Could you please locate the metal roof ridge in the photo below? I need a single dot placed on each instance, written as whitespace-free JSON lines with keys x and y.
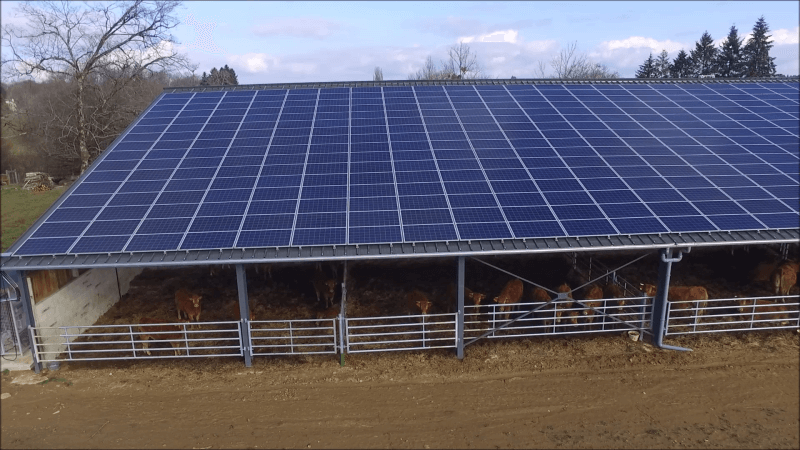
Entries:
{"x":478,"y":81}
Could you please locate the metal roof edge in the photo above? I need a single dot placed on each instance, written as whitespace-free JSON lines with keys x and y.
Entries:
{"x":477,"y":81}
{"x":29,"y":231}
{"x":400,"y":251}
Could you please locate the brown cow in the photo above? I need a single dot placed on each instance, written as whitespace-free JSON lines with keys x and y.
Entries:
{"x":592,"y":299}
{"x":188,"y":304}
{"x":511,"y":293}
{"x":687,"y":295}
{"x":564,"y":304}
{"x":764,"y":310}
{"x":324,"y":287}
{"x":783,"y":278}
{"x":418,"y":303}
{"x":539,"y":296}
{"x":613,"y":291}
{"x":158,"y":333}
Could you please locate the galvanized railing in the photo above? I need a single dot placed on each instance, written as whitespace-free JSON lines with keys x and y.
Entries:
{"x":293,"y":337}
{"x":393,"y":333}
{"x":109,"y":342}
{"x":732,"y":314}
{"x":561,"y":317}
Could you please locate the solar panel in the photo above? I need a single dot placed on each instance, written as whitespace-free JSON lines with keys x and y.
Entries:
{"x":398,"y":164}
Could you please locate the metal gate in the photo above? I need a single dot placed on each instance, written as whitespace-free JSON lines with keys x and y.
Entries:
{"x":561,"y":317}
{"x":732,"y":314}
{"x":110,"y":342}
{"x":395,"y":333}
{"x":293,"y":337}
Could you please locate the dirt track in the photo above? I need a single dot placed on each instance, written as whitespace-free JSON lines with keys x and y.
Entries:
{"x":733,"y":391}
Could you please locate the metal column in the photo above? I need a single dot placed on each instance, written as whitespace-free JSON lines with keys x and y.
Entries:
{"x":658,"y":321}
{"x":460,"y":312}
{"x":343,"y":316}
{"x":244,"y":313}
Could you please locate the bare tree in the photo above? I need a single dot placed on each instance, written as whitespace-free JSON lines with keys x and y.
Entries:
{"x":378,"y":75}
{"x":92,"y":46}
{"x":569,"y":64}
{"x":462,"y":64}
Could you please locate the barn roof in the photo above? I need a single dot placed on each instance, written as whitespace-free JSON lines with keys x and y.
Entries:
{"x":317,"y":171}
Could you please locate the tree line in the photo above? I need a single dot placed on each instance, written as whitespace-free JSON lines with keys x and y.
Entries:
{"x":731,"y":60}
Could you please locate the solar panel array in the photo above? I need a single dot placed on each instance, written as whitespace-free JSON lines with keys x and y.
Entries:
{"x":328,"y":166}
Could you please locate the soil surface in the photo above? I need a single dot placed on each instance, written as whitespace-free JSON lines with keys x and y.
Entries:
{"x":736,"y":390}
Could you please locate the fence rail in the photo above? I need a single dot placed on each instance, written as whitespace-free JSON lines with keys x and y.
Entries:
{"x":561,"y":317}
{"x":395,"y":333}
{"x":732,"y":314}
{"x":292,"y":337}
{"x":110,"y":342}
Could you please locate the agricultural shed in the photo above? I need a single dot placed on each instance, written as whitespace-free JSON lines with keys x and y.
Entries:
{"x":407,"y":169}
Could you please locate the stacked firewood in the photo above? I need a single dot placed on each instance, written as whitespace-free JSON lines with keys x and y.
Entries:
{"x":37,"y":182}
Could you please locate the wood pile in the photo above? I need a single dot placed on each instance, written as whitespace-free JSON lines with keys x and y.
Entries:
{"x":37,"y":182}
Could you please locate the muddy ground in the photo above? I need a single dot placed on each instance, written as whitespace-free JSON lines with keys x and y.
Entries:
{"x":735,"y":390}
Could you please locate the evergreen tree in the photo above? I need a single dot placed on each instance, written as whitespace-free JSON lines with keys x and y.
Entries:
{"x":704,"y":56}
{"x":662,"y":65}
{"x":220,"y":77}
{"x":729,"y":57}
{"x":682,"y":66}
{"x":757,"y":61}
{"x":648,"y":69}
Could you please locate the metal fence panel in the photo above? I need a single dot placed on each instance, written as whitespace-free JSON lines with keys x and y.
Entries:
{"x":562,"y":317}
{"x":396,"y":333}
{"x":732,"y":314}
{"x":110,"y":342}
{"x":293,"y":337}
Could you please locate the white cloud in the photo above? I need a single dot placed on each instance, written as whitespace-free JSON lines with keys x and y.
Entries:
{"x":784,"y":36}
{"x":310,"y":27}
{"x":253,"y":62}
{"x":638,"y":42}
{"x":496,"y":36}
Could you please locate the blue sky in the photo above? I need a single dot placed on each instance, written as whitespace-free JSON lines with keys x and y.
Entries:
{"x":274,"y":42}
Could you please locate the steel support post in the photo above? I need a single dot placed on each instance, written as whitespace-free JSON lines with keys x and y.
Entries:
{"x":460,"y":312}
{"x":658,"y":322}
{"x":244,"y":312}
{"x":342,"y":315}
{"x":25,"y":297}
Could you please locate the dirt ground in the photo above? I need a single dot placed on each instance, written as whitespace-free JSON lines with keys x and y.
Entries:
{"x":732,"y":391}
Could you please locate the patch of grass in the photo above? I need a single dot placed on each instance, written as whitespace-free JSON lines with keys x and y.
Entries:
{"x":19,"y":209}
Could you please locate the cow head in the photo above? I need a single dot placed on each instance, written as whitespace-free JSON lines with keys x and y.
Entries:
{"x":477,"y":298}
{"x":331,"y":284}
{"x":648,"y":289}
{"x":424,"y":306}
{"x":195,"y":299}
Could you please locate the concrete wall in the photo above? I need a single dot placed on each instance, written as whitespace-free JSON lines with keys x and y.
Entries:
{"x":81,"y":302}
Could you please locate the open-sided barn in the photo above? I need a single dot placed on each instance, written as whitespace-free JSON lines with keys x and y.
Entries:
{"x":485,"y":170}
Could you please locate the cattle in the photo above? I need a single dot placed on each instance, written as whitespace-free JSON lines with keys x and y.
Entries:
{"x":783,"y":278}
{"x":323,"y":316}
{"x":540,"y":296}
{"x":561,"y":305}
{"x":417,"y":303}
{"x":324,"y":287}
{"x":686,"y":295}
{"x":236,"y":312}
{"x":613,"y":291}
{"x":188,"y":304}
{"x":169,"y":333}
{"x":475,"y":297}
{"x":510,"y":294}
{"x":764,"y":310}
{"x":592,"y":298}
